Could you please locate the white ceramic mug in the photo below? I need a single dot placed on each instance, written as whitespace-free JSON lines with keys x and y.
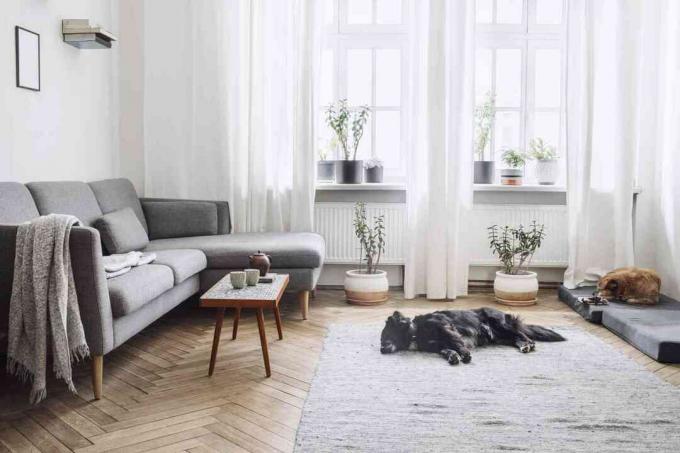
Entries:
{"x":238,"y":279}
{"x":252,"y":276}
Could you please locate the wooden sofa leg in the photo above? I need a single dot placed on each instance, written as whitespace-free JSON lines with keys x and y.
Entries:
{"x":303,"y":298}
{"x":97,"y":375}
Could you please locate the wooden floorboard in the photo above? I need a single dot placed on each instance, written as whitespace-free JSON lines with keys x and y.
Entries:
{"x":158,"y":397}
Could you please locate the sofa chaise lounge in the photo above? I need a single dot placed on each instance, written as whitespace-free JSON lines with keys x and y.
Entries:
{"x":192,"y":240}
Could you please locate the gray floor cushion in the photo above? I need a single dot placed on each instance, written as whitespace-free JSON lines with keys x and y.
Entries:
{"x":141,"y":285}
{"x":654,"y":330}
{"x":231,"y":251}
{"x":184,"y":263}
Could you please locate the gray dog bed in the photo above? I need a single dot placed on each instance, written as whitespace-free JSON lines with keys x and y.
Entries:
{"x":654,"y":330}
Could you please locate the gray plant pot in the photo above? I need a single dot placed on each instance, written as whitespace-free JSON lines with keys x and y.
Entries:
{"x":325,"y":170}
{"x":374,"y":175}
{"x":485,"y":172}
{"x":349,"y":171}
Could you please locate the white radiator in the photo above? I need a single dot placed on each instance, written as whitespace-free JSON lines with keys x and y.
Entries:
{"x":333,"y":220}
{"x":553,"y":251}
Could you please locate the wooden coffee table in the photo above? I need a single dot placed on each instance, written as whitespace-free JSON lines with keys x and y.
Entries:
{"x":259,"y":297}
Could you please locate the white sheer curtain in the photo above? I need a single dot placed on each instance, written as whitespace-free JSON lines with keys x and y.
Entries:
{"x":440,"y":111}
{"x":657,"y":234}
{"x":228,"y":106}
{"x":603,"y":77}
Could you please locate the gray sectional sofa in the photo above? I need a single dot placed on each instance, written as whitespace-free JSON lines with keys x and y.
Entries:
{"x":192,"y":240}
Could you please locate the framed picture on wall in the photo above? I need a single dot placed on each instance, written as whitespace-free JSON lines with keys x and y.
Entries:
{"x":27,"y":45}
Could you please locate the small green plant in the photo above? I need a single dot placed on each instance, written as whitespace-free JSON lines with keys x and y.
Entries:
{"x":540,"y":150}
{"x":340,"y":118}
{"x":484,"y":115}
{"x":514,"y":158}
{"x":515,"y":247}
{"x":327,"y":148}
{"x":371,"y":237}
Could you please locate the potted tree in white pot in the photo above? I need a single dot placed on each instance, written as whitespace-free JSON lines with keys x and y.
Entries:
{"x":367,"y":285}
{"x":515,"y":160}
{"x":515,"y":285}
{"x":340,"y":118}
{"x":546,"y":161}
{"x":484,"y":170}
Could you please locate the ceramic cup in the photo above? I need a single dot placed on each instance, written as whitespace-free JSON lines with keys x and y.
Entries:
{"x":252,"y":276}
{"x":238,"y":279}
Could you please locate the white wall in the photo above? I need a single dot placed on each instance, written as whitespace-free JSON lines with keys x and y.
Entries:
{"x":68,"y":130}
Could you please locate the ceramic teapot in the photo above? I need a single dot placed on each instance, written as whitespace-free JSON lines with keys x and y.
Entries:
{"x":260,"y":261}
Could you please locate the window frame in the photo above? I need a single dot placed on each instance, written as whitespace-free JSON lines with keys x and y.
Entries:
{"x":528,"y":37}
{"x":339,"y":37}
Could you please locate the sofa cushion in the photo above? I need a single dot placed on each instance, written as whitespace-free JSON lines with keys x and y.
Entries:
{"x":172,"y":219}
{"x":184,"y":263}
{"x":16,"y":204}
{"x":121,"y":231}
{"x":231,"y":251}
{"x":139,"y":286}
{"x":115,"y":194}
{"x":66,"y":197}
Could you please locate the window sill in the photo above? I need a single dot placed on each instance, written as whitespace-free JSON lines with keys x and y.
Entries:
{"x":522,"y":188}
{"x":476,"y":187}
{"x":363,"y":186}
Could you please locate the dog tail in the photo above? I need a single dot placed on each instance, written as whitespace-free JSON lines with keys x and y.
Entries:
{"x":539,"y":333}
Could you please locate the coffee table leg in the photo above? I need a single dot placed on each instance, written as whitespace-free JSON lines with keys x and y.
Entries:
{"x":219,"y":318}
{"x":263,"y":341}
{"x":277,"y":314}
{"x":237,"y":317}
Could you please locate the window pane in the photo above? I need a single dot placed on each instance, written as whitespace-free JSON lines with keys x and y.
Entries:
{"x":506,"y":133}
{"x":359,"y":76}
{"x":484,"y":11}
{"x":508,"y":77}
{"x":509,"y":11}
{"x":482,"y":74}
{"x":327,"y":77}
{"x":388,"y":77}
{"x":547,"y":78}
{"x":329,"y":12}
{"x":365,"y":143}
{"x":388,"y":138}
{"x":549,"y":12}
{"x":547,"y":127}
{"x":388,"y":11}
{"x":359,"y":11}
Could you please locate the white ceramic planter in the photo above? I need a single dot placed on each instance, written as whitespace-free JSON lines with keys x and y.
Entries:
{"x":546,"y":172}
{"x":366,"y":289}
{"x":512,"y":176}
{"x":516,"y":290}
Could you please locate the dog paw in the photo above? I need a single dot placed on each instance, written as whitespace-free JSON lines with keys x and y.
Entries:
{"x":454,"y":358}
{"x":466,"y":357}
{"x":525,"y":347}
{"x":532,"y":346}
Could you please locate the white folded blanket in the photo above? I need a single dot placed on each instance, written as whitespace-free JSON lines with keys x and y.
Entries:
{"x":115,"y":265}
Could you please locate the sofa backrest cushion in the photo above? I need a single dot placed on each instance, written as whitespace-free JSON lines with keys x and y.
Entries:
{"x":16,"y":204}
{"x":173,"y":219}
{"x":66,"y":197}
{"x":116,"y":194}
{"x":121,"y":231}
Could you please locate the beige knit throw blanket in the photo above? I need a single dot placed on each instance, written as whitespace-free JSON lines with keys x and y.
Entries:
{"x":43,"y":310}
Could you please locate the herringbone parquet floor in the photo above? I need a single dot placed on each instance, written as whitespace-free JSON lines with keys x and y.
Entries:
{"x":157,"y":396}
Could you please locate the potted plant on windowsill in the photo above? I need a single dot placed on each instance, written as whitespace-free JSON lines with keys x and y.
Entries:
{"x":484,"y":170}
{"x":325,"y":169}
{"x":340,"y":118}
{"x":546,"y":161}
{"x":515,"y":161}
{"x":367,"y":286}
{"x":373,"y":170}
{"x":515,"y":285}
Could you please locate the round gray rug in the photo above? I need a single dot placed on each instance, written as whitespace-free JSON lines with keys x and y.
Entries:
{"x":579,"y":395}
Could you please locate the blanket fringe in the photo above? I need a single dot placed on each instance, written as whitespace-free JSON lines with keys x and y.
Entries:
{"x":18,"y":369}
{"x":80,"y":352}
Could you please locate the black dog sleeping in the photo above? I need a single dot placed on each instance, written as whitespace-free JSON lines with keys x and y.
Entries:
{"x":453,"y":333}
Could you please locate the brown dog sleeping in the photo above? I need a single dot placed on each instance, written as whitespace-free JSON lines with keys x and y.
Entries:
{"x":633,"y":285}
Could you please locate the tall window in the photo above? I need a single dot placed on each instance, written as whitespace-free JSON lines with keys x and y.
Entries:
{"x":363,"y":61}
{"x":520,"y":62}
